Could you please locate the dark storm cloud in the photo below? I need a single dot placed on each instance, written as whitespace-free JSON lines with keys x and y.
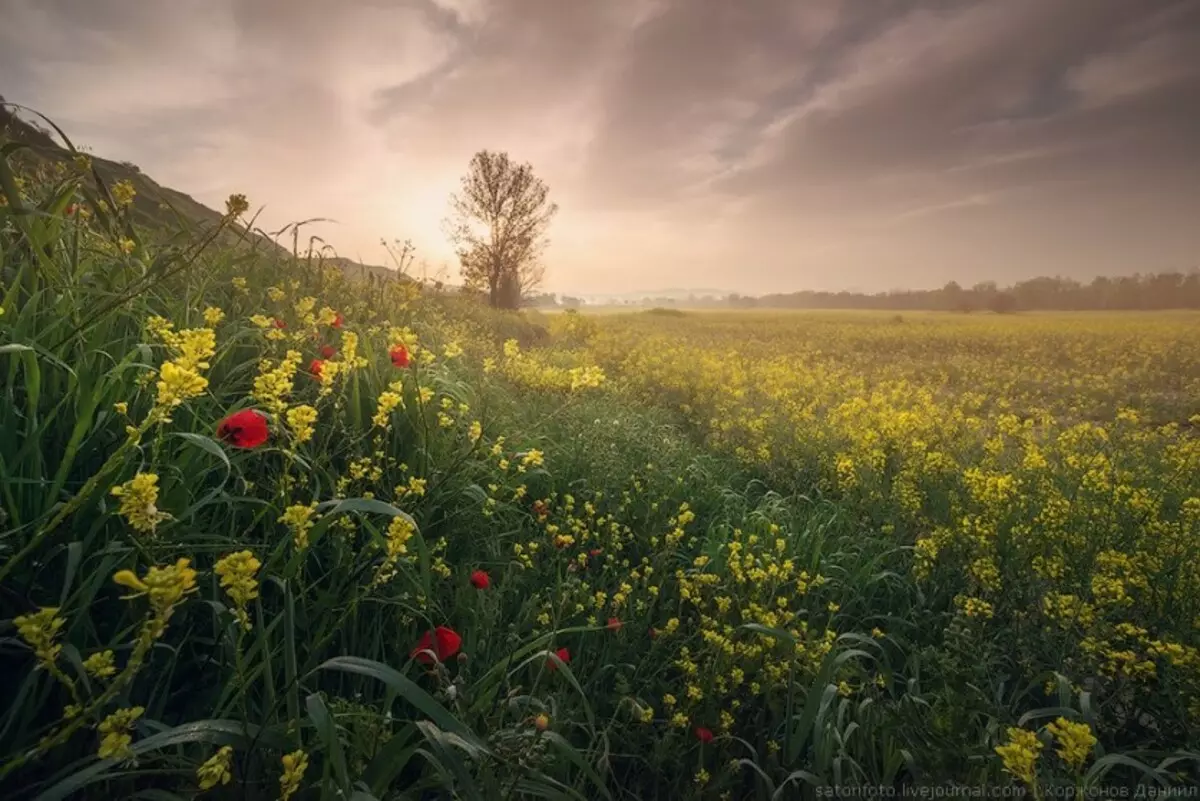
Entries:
{"x":829,"y":144}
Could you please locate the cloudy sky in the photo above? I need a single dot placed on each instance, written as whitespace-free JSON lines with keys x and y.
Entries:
{"x":748,"y":145}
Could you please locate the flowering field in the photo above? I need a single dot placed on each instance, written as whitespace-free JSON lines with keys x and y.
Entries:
{"x":269,"y":533}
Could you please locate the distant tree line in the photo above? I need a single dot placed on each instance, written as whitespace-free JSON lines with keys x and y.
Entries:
{"x":1148,"y":291}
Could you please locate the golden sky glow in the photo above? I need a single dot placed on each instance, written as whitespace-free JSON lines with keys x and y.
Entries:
{"x":757,"y":146}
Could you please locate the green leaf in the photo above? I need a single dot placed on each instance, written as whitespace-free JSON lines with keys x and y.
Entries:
{"x":207,"y":444}
{"x":390,"y":761}
{"x":407,"y":689}
{"x":216,"y":732}
{"x":323,"y":722}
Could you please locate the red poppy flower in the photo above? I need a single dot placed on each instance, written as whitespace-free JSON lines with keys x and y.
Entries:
{"x":314,"y":367}
{"x":244,"y":429}
{"x":328,"y":351}
{"x":71,"y":208}
{"x":564,"y":656}
{"x":614,"y":624}
{"x":595,"y":552}
{"x":704,"y":735}
{"x":480,"y":580}
{"x":278,"y":323}
{"x":443,"y":641}
{"x":338,"y":320}
{"x":399,"y":356}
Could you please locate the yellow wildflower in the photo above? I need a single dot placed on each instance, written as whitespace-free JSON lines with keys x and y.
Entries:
{"x":217,"y":769}
{"x":123,"y":193}
{"x":399,"y":532}
{"x":1020,"y":754}
{"x":101,"y":665}
{"x":301,"y":420}
{"x":1075,"y":741}
{"x":273,"y":384}
{"x":139,"y":497}
{"x":384,"y":405}
{"x":294,"y":765}
{"x":115,"y":738}
{"x":299,"y":518}
{"x":39,"y":630}
{"x":237,"y":573}
{"x":177,"y":383}
{"x":165,"y":586}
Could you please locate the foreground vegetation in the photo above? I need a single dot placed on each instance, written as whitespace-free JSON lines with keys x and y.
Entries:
{"x":270,"y":533}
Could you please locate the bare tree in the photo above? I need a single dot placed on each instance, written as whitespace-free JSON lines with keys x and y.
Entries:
{"x":498,"y":224}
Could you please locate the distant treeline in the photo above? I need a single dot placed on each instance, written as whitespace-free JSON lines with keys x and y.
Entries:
{"x":1170,"y":290}
{"x":1150,"y":291}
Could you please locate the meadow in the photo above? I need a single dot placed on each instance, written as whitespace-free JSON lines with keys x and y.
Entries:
{"x":269,"y":532}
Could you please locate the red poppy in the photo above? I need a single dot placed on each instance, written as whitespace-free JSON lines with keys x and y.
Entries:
{"x":564,"y":656}
{"x":278,"y":323}
{"x":314,"y":367}
{"x":614,"y":624}
{"x":443,"y":641}
{"x":704,"y":735}
{"x":71,"y":208}
{"x":328,"y":351}
{"x":338,"y":320}
{"x":399,"y":356}
{"x":244,"y":429}
{"x":595,"y":552}
{"x":480,"y":580}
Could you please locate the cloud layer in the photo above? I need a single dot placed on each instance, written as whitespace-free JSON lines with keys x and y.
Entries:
{"x":756,"y":146}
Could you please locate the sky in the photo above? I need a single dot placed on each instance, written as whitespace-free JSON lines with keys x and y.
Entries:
{"x":751,"y":145}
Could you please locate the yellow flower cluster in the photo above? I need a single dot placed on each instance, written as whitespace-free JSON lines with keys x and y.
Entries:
{"x":166,"y":586}
{"x":294,"y":766}
{"x":139,"y":499}
{"x":992,"y":446}
{"x":273,"y":384}
{"x":40,"y":630}
{"x":1020,"y":754}
{"x":536,"y":372}
{"x":101,"y":664}
{"x":385,"y":404}
{"x":399,"y":532}
{"x":180,"y":379}
{"x":1075,"y":741}
{"x":302,"y":422}
{"x":237,"y":573}
{"x":299,"y":520}
{"x":123,"y":193}
{"x":115,"y":736}
{"x":217,"y":769}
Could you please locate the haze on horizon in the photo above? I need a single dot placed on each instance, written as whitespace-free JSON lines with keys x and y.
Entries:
{"x":758,"y":146}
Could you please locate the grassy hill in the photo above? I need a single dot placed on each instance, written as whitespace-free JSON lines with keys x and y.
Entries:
{"x":155,"y":208}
